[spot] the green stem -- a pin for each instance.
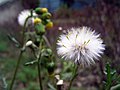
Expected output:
(20, 55)
(47, 42)
(16, 69)
(39, 69)
(23, 31)
(75, 74)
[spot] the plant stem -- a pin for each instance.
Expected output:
(47, 42)
(23, 31)
(74, 76)
(39, 68)
(20, 55)
(16, 69)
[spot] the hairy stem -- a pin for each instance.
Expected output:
(75, 74)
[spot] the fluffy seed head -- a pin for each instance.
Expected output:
(81, 45)
(23, 15)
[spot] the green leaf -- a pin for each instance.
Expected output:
(17, 44)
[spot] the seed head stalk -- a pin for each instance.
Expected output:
(20, 55)
(75, 74)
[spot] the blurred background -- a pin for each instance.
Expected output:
(101, 15)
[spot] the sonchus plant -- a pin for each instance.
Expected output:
(81, 45)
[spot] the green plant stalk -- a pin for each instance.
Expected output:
(39, 68)
(23, 31)
(47, 42)
(39, 73)
(16, 69)
(75, 74)
(20, 55)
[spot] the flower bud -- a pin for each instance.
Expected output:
(46, 52)
(51, 67)
(49, 51)
(40, 29)
(44, 10)
(46, 15)
(37, 20)
(41, 10)
(49, 25)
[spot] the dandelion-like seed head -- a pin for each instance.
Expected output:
(23, 16)
(81, 45)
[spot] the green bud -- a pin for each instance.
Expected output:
(40, 29)
(41, 10)
(37, 40)
(49, 51)
(46, 52)
(37, 10)
(46, 15)
(50, 67)
(45, 21)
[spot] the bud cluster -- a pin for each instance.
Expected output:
(42, 21)
(40, 18)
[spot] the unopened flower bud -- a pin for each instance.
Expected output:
(44, 10)
(40, 29)
(41, 10)
(37, 20)
(49, 51)
(51, 67)
(46, 15)
(49, 25)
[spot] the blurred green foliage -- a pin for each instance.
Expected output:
(3, 44)
(26, 77)
(112, 77)
(67, 70)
